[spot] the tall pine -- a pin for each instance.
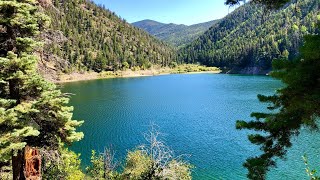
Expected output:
(32, 111)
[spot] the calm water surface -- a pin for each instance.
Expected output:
(197, 114)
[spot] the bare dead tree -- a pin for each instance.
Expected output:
(161, 154)
(110, 163)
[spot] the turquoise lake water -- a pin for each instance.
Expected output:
(195, 112)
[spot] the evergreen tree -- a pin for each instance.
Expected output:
(32, 111)
(295, 106)
(291, 108)
(91, 29)
(271, 4)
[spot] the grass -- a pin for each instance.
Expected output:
(188, 68)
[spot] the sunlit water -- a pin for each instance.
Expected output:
(197, 114)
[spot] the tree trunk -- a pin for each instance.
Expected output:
(17, 161)
(32, 166)
(14, 85)
(18, 166)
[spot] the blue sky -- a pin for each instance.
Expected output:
(168, 11)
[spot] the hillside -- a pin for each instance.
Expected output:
(84, 36)
(249, 38)
(176, 34)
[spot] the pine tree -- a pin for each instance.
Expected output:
(291, 108)
(297, 105)
(32, 111)
(241, 40)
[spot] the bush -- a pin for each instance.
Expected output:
(137, 164)
(173, 64)
(136, 68)
(146, 65)
(125, 65)
(152, 161)
(61, 164)
(97, 168)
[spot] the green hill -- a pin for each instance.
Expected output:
(176, 34)
(249, 38)
(84, 36)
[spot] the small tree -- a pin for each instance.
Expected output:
(173, 64)
(125, 65)
(32, 111)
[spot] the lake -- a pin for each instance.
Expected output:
(195, 112)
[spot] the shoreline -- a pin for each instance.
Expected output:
(87, 76)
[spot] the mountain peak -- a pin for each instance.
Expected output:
(175, 34)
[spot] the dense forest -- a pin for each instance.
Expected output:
(251, 37)
(35, 119)
(177, 35)
(37, 122)
(84, 36)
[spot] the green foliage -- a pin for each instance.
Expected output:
(61, 164)
(5, 172)
(103, 166)
(125, 65)
(138, 163)
(292, 107)
(173, 65)
(145, 64)
(96, 170)
(136, 68)
(271, 4)
(152, 161)
(187, 68)
(178, 170)
(96, 39)
(32, 111)
(253, 37)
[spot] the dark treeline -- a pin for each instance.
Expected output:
(95, 38)
(253, 37)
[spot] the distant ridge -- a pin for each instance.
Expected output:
(175, 34)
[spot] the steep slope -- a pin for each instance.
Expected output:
(84, 36)
(248, 39)
(175, 34)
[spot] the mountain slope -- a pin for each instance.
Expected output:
(248, 39)
(149, 25)
(84, 36)
(175, 34)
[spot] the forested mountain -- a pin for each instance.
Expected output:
(176, 34)
(249, 38)
(84, 36)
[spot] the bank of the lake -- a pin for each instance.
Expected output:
(195, 112)
(154, 71)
